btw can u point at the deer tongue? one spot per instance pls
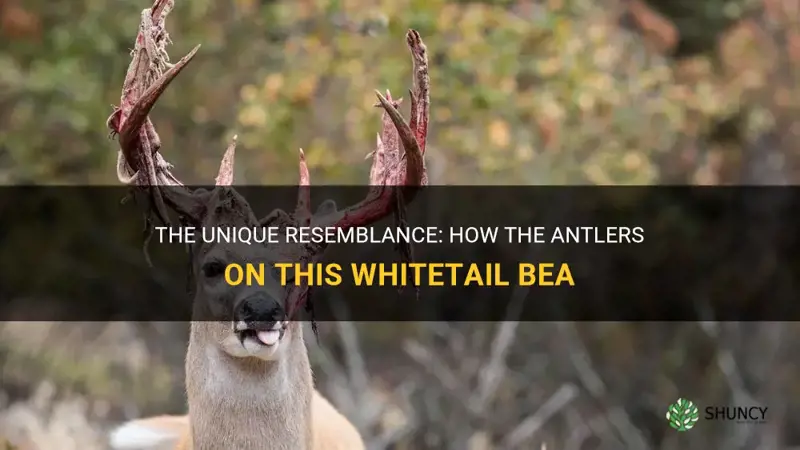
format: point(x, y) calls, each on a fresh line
point(270, 337)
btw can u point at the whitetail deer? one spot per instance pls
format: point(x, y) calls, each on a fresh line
point(248, 376)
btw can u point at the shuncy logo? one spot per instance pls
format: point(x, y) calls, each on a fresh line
point(682, 415)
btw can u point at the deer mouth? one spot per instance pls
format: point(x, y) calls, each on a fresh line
point(262, 333)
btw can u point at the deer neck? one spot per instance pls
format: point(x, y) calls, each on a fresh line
point(248, 404)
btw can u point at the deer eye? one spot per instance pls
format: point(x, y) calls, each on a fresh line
point(213, 269)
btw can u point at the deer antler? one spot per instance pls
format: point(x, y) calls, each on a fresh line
point(139, 161)
point(398, 166)
point(149, 73)
point(388, 170)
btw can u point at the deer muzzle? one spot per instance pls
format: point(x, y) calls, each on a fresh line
point(260, 317)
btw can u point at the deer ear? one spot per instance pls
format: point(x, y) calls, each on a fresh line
point(327, 207)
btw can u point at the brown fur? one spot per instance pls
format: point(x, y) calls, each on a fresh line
point(331, 430)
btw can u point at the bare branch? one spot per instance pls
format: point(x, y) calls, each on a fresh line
point(492, 374)
point(442, 373)
point(592, 382)
point(532, 424)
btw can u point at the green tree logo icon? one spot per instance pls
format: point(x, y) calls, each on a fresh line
point(682, 415)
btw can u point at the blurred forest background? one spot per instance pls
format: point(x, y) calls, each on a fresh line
point(523, 92)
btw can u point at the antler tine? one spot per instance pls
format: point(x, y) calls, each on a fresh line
point(421, 95)
point(413, 153)
point(149, 74)
point(377, 173)
point(131, 126)
point(303, 210)
point(160, 6)
point(225, 175)
point(388, 169)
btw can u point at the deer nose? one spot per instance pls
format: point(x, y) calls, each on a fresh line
point(259, 307)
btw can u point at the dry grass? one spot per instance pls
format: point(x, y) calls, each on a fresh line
point(44, 423)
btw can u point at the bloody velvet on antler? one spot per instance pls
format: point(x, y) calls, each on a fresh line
point(398, 166)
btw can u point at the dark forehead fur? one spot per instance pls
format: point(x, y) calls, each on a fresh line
point(226, 208)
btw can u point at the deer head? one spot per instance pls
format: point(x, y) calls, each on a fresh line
point(253, 321)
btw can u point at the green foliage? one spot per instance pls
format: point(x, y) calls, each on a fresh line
point(79, 370)
point(547, 94)
point(498, 84)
